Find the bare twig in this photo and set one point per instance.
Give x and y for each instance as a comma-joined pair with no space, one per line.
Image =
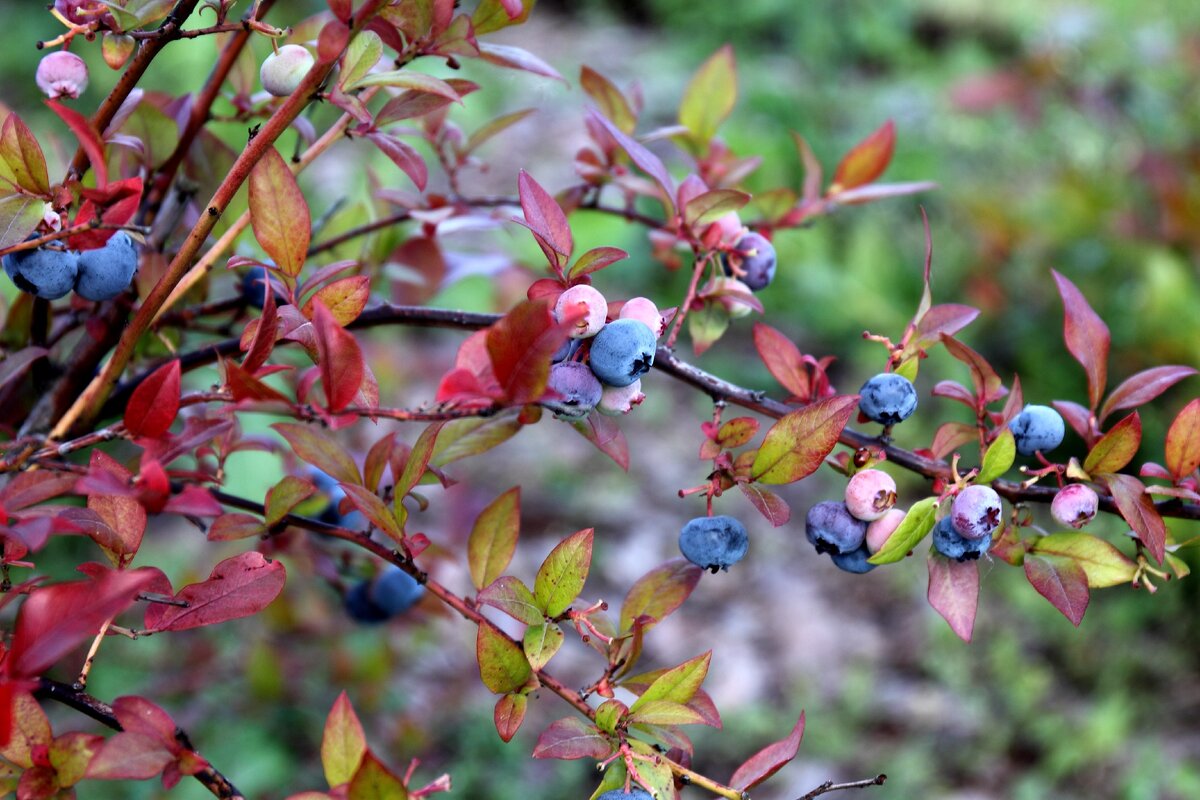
830,786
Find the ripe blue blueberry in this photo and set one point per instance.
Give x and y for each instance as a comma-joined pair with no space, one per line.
45,272
330,514
360,607
254,288
887,398
952,544
395,591
1037,428
854,561
976,512
107,271
831,528
577,387
756,259
714,543
622,352
621,794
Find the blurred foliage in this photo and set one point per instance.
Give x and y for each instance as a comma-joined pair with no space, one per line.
1062,134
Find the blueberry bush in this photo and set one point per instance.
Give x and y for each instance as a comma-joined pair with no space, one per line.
182,276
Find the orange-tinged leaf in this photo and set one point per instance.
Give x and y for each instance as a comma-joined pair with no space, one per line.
1183,441
317,447
1086,337
502,664
769,760
343,743
1117,447
608,98
125,517
561,577
783,359
797,444
279,213
709,97
659,592
509,714
155,402
954,592
417,463
1103,564
345,298
493,538
284,496
22,164
987,383
866,161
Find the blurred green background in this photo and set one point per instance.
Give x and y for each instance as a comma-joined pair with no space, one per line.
1062,135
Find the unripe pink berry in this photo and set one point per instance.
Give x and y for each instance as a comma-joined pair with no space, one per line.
731,226
282,72
62,74
725,290
617,400
879,531
643,310
1075,505
870,494
976,512
594,305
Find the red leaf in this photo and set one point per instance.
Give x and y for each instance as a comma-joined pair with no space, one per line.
948,318
1183,441
403,156
1060,580
520,346
123,515
595,260
1086,336
155,402
954,592
1143,387
30,488
341,359
769,504
769,760
193,501
1079,418
988,386
117,204
952,435
503,55
571,738
509,714
279,213
866,161
54,620
1138,510
545,218
228,527
1117,447
238,587
606,435
89,139
953,390
646,161
130,756
783,359
244,386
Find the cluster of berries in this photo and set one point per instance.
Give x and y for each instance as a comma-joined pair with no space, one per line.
600,366
856,528
750,267
99,274
1040,429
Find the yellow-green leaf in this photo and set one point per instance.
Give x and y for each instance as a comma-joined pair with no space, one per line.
1103,564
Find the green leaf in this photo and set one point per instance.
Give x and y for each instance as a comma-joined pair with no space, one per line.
678,684
797,444
461,438
502,664
414,468
1103,564
512,596
609,715
562,575
490,16
19,216
343,744
493,538
915,526
999,458
709,97
664,712
541,642
374,781
706,325
659,592
609,98
22,164
284,496
363,53
318,448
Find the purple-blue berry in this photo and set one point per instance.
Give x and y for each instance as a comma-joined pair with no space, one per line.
714,543
831,528
107,271
952,544
621,794
395,591
1037,428
254,286
976,512
887,398
622,352
577,389
45,272
756,259
360,607
854,561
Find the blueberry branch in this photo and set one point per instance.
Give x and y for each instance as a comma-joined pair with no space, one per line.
86,704
830,786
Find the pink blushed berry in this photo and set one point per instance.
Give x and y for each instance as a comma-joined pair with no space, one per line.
62,74
1074,505
726,291
976,512
879,531
617,400
282,72
595,310
643,310
870,494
